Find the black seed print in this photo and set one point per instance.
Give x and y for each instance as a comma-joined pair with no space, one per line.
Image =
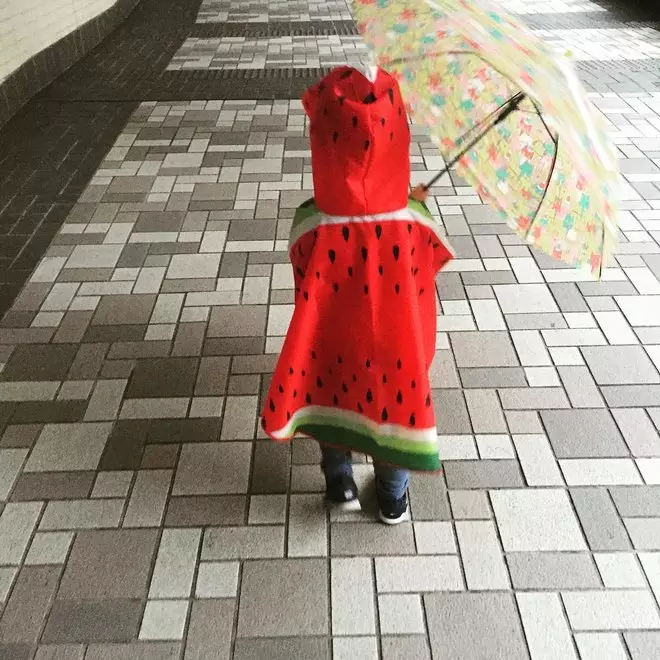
428,401
415,271
382,121
365,253
391,136
384,379
295,393
366,144
379,231
288,416
344,388
332,256
384,415
345,232
354,122
313,355
399,397
335,136
412,252
366,289
308,399
291,372
341,100
303,373
390,93
380,269
359,407
318,275
400,112
354,378
272,406
412,419
339,359
395,252
347,74
297,289
335,400
350,271
281,389
369,98
409,228
300,252
399,364
335,286
319,382
368,364
306,295
421,292
413,384
397,288
370,396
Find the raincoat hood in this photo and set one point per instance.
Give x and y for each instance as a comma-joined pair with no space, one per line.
360,142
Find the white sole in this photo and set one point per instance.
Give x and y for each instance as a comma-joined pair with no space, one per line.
351,506
404,517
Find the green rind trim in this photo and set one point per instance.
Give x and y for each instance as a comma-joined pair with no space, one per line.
352,440
420,207
304,211
335,420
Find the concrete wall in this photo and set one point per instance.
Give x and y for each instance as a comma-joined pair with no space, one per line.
29,26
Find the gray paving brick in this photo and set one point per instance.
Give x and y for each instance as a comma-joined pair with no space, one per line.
637,501
537,398
483,474
283,599
552,570
620,365
481,626
638,431
483,349
451,412
583,433
643,645
581,388
631,396
598,517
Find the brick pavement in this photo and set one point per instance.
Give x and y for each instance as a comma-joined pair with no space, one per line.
143,515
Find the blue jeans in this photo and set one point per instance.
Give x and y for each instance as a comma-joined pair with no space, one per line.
391,482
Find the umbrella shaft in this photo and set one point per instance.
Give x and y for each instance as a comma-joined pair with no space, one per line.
504,111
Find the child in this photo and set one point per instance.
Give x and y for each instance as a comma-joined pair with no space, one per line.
353,372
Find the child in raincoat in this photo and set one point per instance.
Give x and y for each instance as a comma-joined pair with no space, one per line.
353,372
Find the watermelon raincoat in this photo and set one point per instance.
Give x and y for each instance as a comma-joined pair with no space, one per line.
353,372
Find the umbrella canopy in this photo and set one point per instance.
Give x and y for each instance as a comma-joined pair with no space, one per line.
510,113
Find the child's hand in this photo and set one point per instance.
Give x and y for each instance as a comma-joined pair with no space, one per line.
420,193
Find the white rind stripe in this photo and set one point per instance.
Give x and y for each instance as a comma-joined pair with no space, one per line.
353,420
407,214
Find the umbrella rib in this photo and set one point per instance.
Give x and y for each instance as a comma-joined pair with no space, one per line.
545,191
505,110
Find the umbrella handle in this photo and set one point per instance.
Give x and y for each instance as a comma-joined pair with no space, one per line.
504,111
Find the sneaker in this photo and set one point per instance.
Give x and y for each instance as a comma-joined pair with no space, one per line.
393,512
342,493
